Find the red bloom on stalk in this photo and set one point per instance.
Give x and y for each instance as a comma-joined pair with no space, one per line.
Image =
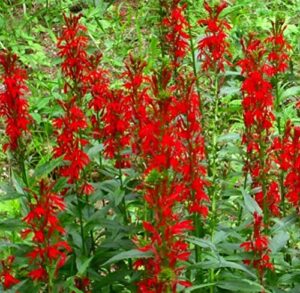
6,277
259,246
13,104
46,230
116,120
99,88
258,118
72,47
76,65
69,143
176,37
193,153
214,48
278,56
289,160
162,148
138,101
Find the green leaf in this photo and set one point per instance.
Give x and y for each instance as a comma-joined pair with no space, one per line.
250,203
201,242
292,91
237,266
191,289
229,137
11,225
9,193
46,168
240,285
82,265
118,196
279,241
17,183
133,253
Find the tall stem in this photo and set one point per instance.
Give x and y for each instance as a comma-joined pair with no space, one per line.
213,170
278,122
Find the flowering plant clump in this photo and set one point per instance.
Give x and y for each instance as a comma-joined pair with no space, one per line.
155,148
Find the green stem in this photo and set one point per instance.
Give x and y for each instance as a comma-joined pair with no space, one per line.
214,156
264,181
192,49
80,220
213,170
278,122
241,207
23,171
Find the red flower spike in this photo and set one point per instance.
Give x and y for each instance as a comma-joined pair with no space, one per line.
46,231
76,67
288,151
163,139
278,55
176,37
214,48
13,104
258,104
259,246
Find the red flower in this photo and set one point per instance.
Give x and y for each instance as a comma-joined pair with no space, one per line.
161,149
72,47
8,280
259,246
39,274
175,38
76,67
278,56
258,118
192,148
13,104
288,150
47,231
6,277
214,48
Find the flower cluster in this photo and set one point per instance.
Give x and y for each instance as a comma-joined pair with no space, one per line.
193,148
258,118
277,56
259,245
99,87
136,92
46,232
13,104
214,48
163,192
176,37
289,161
72,47
116,123
6,275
